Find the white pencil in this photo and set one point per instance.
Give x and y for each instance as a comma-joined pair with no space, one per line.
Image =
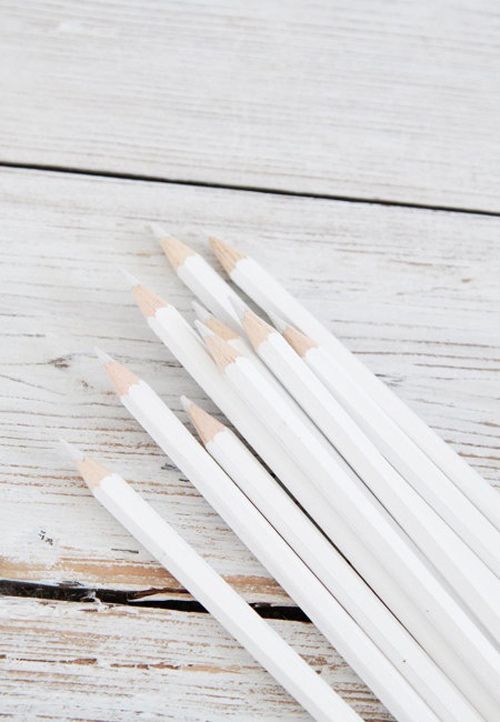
412,463
271,296
166,322
329,566
234,339
198,577
184,343
198,275
268,546
337,491
219,297
466,573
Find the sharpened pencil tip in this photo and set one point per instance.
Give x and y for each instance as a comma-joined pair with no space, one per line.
148,302
201,312
220,328
133,281
257,330
300,343
186,403
222,353
158,230
103,357
92,471
227,256
72,451
203,330
205,424
176,251
280,324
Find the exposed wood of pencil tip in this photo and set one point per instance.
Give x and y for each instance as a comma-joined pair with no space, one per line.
222,353
298,340
256,328
176,251
220,328
121,377
227,256
92,471
148,301
205,424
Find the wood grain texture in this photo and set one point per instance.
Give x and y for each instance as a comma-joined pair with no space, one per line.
368,99
414,292
87,662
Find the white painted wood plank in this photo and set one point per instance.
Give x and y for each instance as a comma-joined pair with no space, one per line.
414,292
364,98
63,660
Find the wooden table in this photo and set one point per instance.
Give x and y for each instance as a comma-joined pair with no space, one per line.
352,147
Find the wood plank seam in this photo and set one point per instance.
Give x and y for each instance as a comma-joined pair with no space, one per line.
48,168
145,599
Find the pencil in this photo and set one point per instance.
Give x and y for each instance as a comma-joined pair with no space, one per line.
330,567
400,450
236,340
470,578
337,491
174,331
198,577
183,342
226,332
198,275
267,545
272,297
213,291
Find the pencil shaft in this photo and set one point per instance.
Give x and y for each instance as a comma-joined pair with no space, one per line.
340,578
466,573
461,634
178,336
413,464
283,563
270,295
263,643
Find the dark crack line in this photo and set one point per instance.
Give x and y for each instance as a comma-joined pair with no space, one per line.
76,593
243,187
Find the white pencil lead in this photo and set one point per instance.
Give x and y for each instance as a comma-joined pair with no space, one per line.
203,330
72,451
103,357
186,403
201,312
130,278
239,306
280,324
158,230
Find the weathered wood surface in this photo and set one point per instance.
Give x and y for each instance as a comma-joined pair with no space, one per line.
87,662
366,98
369,100
414,292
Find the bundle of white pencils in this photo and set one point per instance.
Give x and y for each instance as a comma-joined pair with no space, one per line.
377,529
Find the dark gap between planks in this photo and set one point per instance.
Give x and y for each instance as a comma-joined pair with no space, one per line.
48,168
77,593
